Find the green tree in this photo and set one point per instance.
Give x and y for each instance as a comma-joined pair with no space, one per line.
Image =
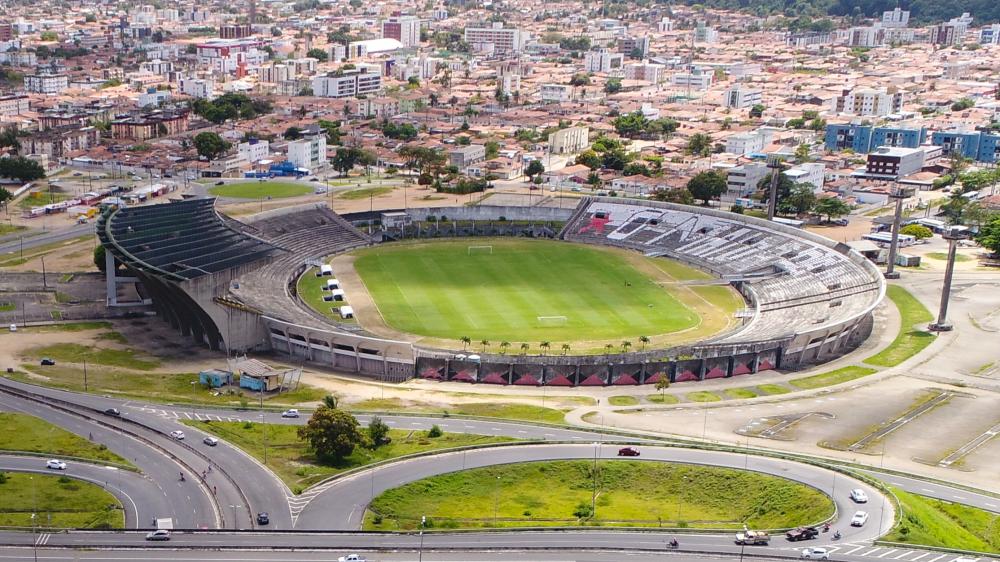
699,144
831,207
434,432
662,384
330,401
345,159
492,149
99,258
378,432
210,145
918,231
613,85
49,36
785,185
318,54
332,434
757,111
535,167
292,133
802,152
21,169
616,159
679,196
631,124
580,79
800,200
589,158
707,185
989,235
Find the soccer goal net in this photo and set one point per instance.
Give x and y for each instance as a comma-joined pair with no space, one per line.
546,321
480,250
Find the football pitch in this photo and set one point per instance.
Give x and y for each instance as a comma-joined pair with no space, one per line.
521,291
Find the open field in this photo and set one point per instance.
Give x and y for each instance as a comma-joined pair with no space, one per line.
522,291
24,433
76,353
508,411
292,461
910,340
259,189
837,376
629,493
365,193
932,522
58,501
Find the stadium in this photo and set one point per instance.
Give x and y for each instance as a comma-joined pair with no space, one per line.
612,292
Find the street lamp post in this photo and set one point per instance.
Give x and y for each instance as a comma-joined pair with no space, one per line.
423,521
593,499
496,500
235,507
899,194
34,534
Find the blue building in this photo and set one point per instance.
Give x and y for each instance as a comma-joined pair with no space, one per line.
865,138
214,378
975,145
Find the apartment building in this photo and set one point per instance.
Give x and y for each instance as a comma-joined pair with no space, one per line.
951,32
741,181
464,156
868,102
647,71
13,105
363,80
603,61
694,79
895,18
866,37
58,142
977,145
235,31
505,41
45,83
151,125
891,162
201,88
569,140
556,92
405,29
990,34
308,153
745,144
863,138
741,97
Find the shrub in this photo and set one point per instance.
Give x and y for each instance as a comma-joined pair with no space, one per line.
583,511
434,431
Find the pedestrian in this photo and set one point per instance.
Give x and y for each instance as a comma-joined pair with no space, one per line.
214,490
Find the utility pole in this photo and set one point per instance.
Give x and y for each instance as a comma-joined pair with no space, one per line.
953,235
899,194
772,199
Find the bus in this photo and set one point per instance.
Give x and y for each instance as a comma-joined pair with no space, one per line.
794,223
884,239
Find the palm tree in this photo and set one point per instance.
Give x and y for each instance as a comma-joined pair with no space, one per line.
545,345
503,346
330,401
524,348
466,340
565,348
607,348
644,340
625,345
484,343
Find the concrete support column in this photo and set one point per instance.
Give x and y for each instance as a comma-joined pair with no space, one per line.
942,324
898,194
112,283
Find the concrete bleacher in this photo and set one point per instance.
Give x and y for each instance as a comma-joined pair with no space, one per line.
308,233
802,283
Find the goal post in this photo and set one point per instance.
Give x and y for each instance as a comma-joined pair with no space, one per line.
551,321
481,250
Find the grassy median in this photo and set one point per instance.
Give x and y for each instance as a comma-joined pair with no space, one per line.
910,340
24,433
837,376
931,522
57,502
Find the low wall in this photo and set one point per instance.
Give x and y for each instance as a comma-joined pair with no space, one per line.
493,212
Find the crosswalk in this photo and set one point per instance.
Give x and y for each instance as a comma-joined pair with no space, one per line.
888,553
43,539
184,415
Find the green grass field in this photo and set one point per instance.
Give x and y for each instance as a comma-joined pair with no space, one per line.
365,193
58,502
910,340
24,433
837,376
440,290
931,522
311,290
258,189
629,493
292,461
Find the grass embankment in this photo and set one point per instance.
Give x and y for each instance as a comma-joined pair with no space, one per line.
291,460
76,353
837,376
311,290
629,493
943,256
773,389
910,340
17,257
702,396
365,193
24,433
623,400
519,412
738,393
58,502
931,522
261,189
663,399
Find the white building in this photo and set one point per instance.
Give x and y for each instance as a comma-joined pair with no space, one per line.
157,66
556,92
664,25
694,79
990,34
741,97
745,144
705,34
505,41
363,80
868,102
569,140
197,87
603,61
647,71
741,181
309,152
255,150
895,18
812,173
45,83
13,105
153,97
405,29
866,37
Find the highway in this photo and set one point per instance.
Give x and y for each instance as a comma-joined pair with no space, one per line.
49,237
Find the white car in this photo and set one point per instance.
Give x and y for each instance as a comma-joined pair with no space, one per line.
292,413
177,434
210,441
55,465
859,519
351,558
815,553
158,535
859,496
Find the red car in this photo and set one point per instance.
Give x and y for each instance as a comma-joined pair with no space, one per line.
628,452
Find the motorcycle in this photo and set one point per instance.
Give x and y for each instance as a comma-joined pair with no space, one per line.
836,535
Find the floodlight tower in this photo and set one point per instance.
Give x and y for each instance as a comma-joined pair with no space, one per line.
774,163
952,235
899,193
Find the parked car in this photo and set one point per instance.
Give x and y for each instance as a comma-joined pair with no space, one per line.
802,533
628,452
859,496
48,362
263,518
112,412
290,413
55,464
177,434
210,441
815,553
841,222
859,519
352,558
158,535
220,183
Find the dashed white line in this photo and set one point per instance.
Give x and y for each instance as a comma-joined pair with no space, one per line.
870,551
919,557
937,558
906,553
888,552
855,549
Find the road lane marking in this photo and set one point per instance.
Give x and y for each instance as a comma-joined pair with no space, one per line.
870,551
888,552
921,556
937,558
855,549
907,553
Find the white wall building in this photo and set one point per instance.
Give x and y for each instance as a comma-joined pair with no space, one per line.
197,87
812,173
569,140
896,18
504,40
254,150
153,97
309,153
745,144
741,97
364,80
650,72
603,61
695,79
45,83
868,102
405,29
741,181
556,92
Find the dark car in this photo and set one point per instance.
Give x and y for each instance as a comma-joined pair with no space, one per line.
220,183
262,518
802,533
628,452
112,412
48,362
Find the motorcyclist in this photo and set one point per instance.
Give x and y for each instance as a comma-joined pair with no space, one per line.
836,535
182,476
673,543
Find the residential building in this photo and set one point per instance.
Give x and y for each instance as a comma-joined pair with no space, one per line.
951,32
197,87
556,92
505,41
664,25
812,173
866,37
892,162
153,97
741,181
145,126
157,66
647,71
45,83
235,31
746,144
57,143
705,34
253,151
805,39
868,102
895,18
636,47
603,61
976,145
464,156
6,32
363,80
405,29
308,153
990,34
13,105
569,140
863,138
693,79
741,97
380,107
337,52
274,73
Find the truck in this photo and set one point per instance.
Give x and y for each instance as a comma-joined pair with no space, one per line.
802,533
753,538
352,558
